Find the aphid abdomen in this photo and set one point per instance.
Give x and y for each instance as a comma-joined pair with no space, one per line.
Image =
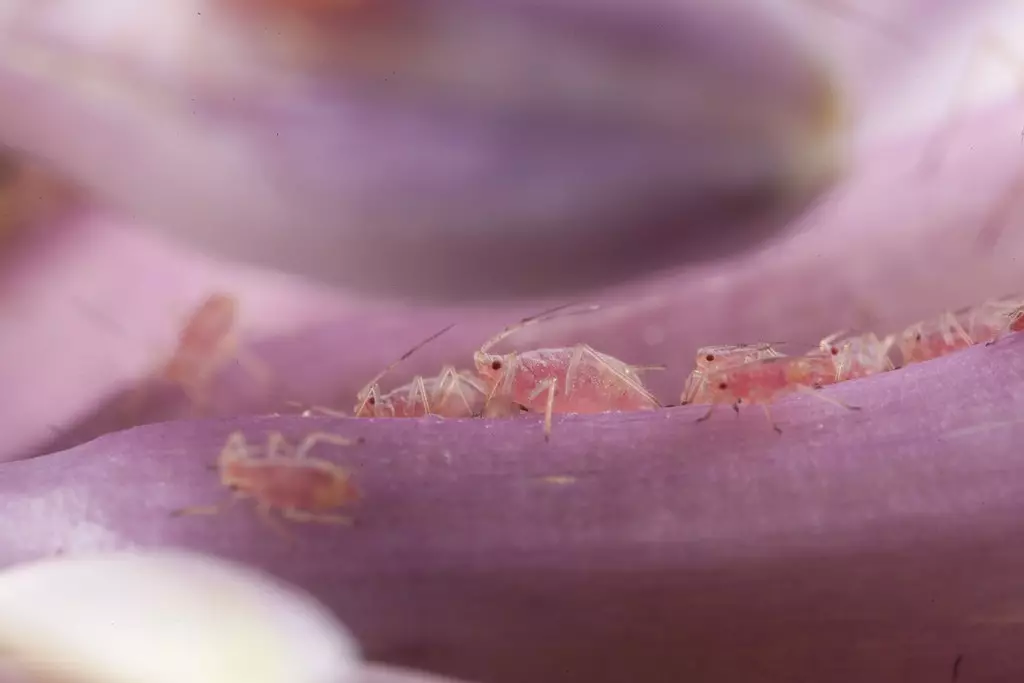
284,484
402,405
532,372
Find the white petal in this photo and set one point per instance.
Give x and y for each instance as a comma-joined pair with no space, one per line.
166,617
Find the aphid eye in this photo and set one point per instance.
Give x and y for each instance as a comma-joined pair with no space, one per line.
371,401
496,365
917,337
710,357
723,386
834,350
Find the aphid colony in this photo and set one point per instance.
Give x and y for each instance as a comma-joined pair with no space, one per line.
577,379
580,379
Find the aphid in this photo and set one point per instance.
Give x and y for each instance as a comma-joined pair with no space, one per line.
858,356
993,319
452,393
711,358
933,338
301,488
208,340
576,379
762,382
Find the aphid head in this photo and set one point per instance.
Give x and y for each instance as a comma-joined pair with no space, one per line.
490,366
216,315
719,388
707,359
369,400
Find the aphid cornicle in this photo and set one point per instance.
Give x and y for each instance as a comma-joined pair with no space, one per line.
576,379
762,382
300,488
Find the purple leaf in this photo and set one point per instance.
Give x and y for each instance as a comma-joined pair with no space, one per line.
874,544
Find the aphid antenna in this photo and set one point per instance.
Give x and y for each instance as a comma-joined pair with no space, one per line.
645,368
405,356
550,314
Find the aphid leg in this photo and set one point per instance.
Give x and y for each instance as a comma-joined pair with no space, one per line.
306,517
694,383
771,420
887,345
322,437
955,329
370,389
827,399
276,442
209,509
574,364
549,385
707,415
451,381
267,516
1012,319
419,387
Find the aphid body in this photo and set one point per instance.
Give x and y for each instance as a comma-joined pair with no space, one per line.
933,338
577,379
711,358
763,381
453,393
992,319
205,341
301,488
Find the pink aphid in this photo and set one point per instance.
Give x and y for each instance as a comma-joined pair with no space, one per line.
711,358
301,488
993,319
934,338
577,379
453,393
858,356
762,382
208,340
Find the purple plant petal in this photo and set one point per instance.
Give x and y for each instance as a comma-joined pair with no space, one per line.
879,544
352,146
